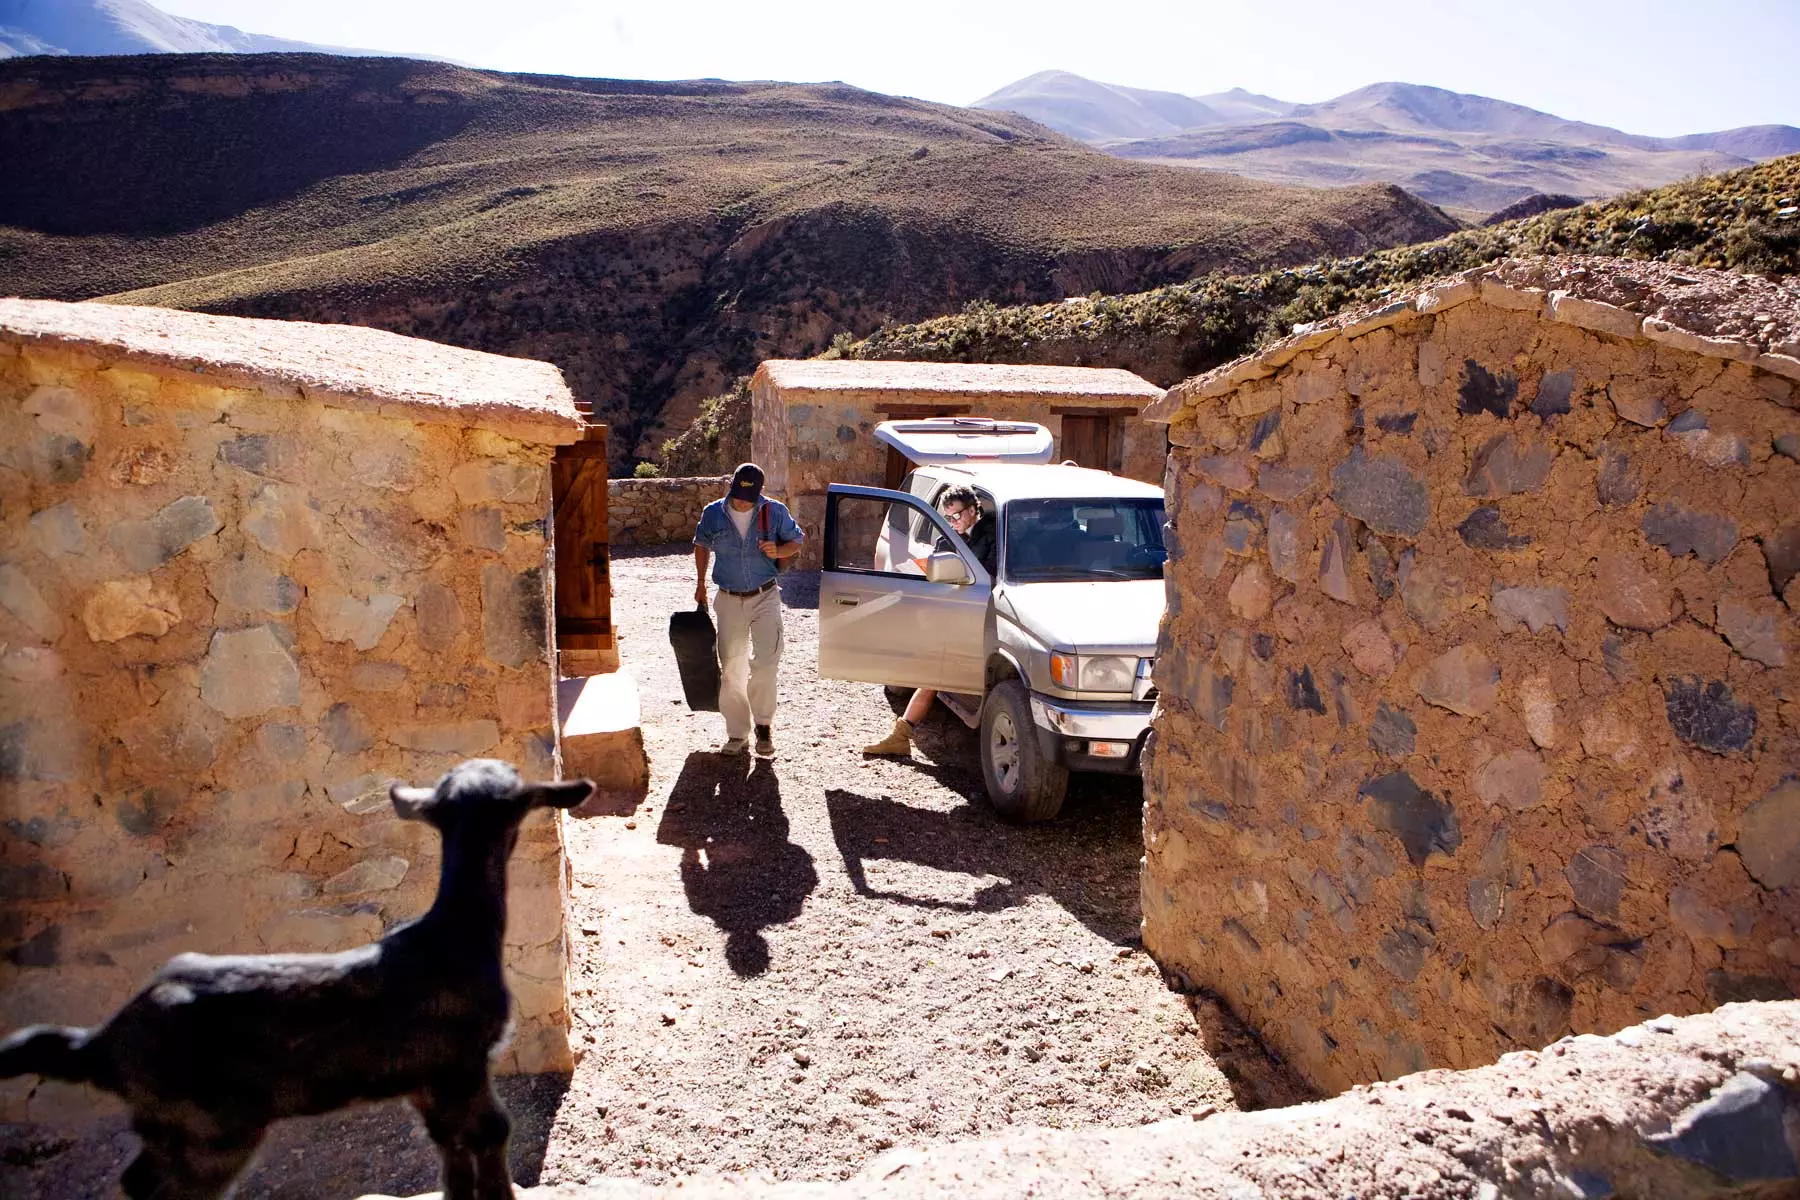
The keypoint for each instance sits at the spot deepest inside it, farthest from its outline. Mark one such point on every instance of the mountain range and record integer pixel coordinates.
(653, 239)
(128, 27)
(1470, 154)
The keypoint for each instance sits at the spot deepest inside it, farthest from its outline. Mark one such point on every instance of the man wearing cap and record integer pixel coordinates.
(744, 535)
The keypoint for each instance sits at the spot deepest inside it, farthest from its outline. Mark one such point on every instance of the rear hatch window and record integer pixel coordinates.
(936, 440)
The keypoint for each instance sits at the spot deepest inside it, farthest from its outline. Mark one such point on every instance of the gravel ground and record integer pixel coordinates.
(786, 967)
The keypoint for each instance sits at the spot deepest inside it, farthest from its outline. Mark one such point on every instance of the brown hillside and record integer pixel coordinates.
(652, 239)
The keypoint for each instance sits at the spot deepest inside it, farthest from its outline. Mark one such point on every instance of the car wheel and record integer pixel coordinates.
(898, 698)
(1022, 783)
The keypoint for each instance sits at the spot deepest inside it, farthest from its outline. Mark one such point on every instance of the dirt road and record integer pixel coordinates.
(790, 966)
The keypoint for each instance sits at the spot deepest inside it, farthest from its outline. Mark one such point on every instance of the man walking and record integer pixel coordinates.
(744, 536)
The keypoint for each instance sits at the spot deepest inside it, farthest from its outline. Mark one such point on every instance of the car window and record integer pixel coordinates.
(873, 535)
(1069, 539)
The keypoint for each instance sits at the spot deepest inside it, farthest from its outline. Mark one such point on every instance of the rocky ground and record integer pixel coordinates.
(787, 967)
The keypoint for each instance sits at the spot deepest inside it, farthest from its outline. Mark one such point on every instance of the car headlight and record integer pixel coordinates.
(1093, 673)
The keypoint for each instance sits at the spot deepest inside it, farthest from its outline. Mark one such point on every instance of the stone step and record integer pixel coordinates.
(602, 740)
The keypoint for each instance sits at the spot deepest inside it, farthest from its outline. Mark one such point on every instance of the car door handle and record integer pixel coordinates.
(848, 601)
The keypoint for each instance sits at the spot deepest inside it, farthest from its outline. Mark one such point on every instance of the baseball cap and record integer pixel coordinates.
(746, 482)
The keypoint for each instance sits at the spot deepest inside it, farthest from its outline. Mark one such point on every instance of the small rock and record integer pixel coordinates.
(1706, 717)
(1553, 393)
(1638, 401)
(1424, 824)
(1483, 391)
(1755, 633)
(1485, 529)
(1596, 876)
(1370, 649)
(1536, 608)
(123, 608)
(1243, 527)
(1769, 836)
(1508, 465)
(1619, 485)
(1781, 549)
(247, 672)
(1283, 483)
(1302, 692)
(1391, 731)
(1681, 530)
(370, 875)
(1704, 922)
(1284, 545)
(1463, 680)
(1250, 595)
(20, 597)
(1739, 1132)
(1382, 493)
(146, 545)
(1334, 563)
(1229, 471)
(1513, 780)
(1537, 704)
(1630, 595)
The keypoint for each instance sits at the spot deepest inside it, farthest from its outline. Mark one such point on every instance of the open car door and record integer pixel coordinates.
(892, 608)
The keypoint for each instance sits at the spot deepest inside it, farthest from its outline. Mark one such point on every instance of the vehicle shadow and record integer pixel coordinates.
(799, 589)
(1086, 860)
(738, 867)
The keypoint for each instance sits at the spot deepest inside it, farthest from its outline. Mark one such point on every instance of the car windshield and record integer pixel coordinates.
(1062, 540)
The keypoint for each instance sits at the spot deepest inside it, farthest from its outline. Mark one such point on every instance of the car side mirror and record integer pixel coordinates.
(947, 566)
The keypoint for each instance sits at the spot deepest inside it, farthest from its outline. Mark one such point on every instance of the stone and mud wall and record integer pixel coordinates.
(653, 512)
(229, 614)
(1480, 715)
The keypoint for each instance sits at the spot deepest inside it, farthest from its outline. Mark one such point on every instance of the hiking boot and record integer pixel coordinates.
(735, 746)
(765, 742)
(899, 742)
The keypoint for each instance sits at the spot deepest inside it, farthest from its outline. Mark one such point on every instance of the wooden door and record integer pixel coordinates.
(584, 633)
(1088, 440)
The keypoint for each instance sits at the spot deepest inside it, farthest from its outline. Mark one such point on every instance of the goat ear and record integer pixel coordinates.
(570, 793)
(411, 803)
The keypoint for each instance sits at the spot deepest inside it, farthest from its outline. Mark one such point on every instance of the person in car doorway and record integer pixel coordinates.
(745, 536)
(962, 508)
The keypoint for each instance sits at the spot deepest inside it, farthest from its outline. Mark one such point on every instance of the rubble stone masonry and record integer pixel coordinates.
(230, 612)
(1480, 706)
(653, 512)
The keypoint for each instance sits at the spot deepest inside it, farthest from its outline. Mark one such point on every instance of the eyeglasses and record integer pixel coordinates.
(957, 514)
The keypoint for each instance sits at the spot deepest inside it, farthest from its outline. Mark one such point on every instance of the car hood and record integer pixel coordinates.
(1113, 614)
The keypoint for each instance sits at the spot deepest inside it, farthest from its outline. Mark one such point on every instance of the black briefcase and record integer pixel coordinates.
(696, 646)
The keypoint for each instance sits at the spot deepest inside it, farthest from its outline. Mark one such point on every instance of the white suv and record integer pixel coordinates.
(1050, 657)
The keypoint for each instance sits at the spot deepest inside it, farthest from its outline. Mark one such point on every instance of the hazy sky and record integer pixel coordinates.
(1646, 66)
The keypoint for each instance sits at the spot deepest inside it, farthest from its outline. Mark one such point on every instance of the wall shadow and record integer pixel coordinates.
(738, 867)
(799, 589)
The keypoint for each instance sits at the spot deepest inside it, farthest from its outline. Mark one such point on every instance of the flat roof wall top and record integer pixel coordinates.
(1100, 384)
(345, 366)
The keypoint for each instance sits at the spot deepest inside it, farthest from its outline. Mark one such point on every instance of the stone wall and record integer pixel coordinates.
(807, 437)
(653, 512)
(1478, 714)
(229, 614)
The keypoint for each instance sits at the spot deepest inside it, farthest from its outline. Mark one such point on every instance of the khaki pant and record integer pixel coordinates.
(749, 651)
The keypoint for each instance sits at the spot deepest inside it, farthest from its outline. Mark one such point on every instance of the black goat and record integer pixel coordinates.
(218, 1047)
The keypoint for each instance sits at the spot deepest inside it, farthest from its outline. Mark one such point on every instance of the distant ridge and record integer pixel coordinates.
(1472, 154)
(131, 27)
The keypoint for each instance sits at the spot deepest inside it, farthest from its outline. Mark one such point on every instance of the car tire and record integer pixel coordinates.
(898, 698)
(1022, 784)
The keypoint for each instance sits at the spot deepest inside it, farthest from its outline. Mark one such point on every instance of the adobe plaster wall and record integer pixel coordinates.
(1479, 719)
(228, 616)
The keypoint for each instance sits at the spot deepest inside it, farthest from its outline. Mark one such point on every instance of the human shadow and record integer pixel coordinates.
(738, 867)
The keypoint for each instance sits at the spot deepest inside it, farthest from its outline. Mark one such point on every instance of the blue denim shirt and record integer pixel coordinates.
(738, 564)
